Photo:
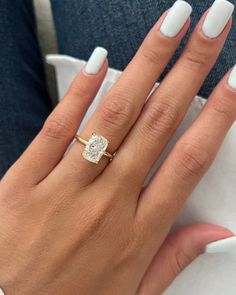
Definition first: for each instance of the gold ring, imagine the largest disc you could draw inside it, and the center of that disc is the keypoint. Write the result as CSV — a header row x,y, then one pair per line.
x,y
95,148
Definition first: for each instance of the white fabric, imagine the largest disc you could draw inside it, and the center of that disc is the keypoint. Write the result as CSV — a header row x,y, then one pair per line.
x,y
213,201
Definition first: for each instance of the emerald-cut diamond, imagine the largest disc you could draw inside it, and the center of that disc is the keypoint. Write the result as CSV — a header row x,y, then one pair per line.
x,y
95,148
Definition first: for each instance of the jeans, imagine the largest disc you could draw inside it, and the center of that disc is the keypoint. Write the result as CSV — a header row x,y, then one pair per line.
x,y
81,25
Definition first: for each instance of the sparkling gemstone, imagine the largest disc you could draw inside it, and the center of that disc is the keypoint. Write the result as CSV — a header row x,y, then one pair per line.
x,y
95,148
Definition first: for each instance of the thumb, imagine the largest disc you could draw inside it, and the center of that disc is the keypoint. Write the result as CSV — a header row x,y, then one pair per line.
x,y
178,251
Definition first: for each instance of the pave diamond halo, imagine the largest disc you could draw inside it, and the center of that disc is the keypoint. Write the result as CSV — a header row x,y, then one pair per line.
x,y
95,148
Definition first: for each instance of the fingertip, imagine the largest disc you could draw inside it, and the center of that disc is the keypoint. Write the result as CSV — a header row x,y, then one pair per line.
x,y
89,82
177,35
224,245
96,61
197,236
231,78
224,93
222,32
175,19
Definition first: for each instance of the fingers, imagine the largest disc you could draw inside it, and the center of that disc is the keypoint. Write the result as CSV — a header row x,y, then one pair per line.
x,y
192,154
166,108
61,126
177,252
121,107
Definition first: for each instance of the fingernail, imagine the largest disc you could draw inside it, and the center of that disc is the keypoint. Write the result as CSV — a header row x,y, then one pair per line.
x,y
217,18
232,78
176,18
222,246
96,61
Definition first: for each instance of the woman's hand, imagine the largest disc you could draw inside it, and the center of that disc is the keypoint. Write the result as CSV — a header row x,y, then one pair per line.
x,y
69,226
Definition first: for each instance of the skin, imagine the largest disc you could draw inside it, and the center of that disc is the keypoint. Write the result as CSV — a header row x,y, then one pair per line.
x,y
71,227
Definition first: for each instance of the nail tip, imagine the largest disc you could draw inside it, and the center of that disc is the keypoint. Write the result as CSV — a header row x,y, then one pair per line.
x,y
232,78
222,246
176,18
227,4
101,49
230,4
217,18
96,60
185,4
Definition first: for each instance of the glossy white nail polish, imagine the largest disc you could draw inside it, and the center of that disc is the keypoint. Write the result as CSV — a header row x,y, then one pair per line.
x,y
176,18
217,18
232,78
222,246
96,61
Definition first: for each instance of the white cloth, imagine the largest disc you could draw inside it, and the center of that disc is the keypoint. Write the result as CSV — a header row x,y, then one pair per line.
x,y
213,201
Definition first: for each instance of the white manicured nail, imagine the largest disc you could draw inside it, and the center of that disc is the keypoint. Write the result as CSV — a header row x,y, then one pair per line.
x,y
96,61
217,18
176,18
232,78
222,246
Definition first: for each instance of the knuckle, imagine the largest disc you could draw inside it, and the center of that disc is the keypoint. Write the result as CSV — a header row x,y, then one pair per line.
x,y
79,90
161,118
192,160
116,111
57,128
179,258
128,249
224,108
19,203
180,261
196,58
96,219
151,56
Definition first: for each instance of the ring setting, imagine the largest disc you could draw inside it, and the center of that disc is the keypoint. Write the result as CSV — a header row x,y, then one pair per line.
x,y
95,148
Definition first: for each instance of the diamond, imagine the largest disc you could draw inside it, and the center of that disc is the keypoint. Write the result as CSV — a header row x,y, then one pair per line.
x,y
95,148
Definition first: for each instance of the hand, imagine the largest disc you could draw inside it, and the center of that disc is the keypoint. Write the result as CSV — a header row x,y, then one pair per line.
x,y
72,227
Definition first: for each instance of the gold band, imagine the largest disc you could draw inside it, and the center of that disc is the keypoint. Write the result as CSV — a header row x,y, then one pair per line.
x,y
85,142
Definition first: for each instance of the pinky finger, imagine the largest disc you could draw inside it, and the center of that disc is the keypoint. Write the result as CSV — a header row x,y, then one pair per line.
x,y
49,146
178,250
192,155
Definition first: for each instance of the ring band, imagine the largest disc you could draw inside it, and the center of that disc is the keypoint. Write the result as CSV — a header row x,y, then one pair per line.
x,y
95,148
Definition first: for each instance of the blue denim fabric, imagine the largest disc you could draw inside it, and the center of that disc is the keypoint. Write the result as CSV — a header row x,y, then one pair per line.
x,y
81,25
24,103
120,26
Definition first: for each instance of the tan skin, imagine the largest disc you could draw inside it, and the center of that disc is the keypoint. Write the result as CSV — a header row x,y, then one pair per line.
x,y
71,227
